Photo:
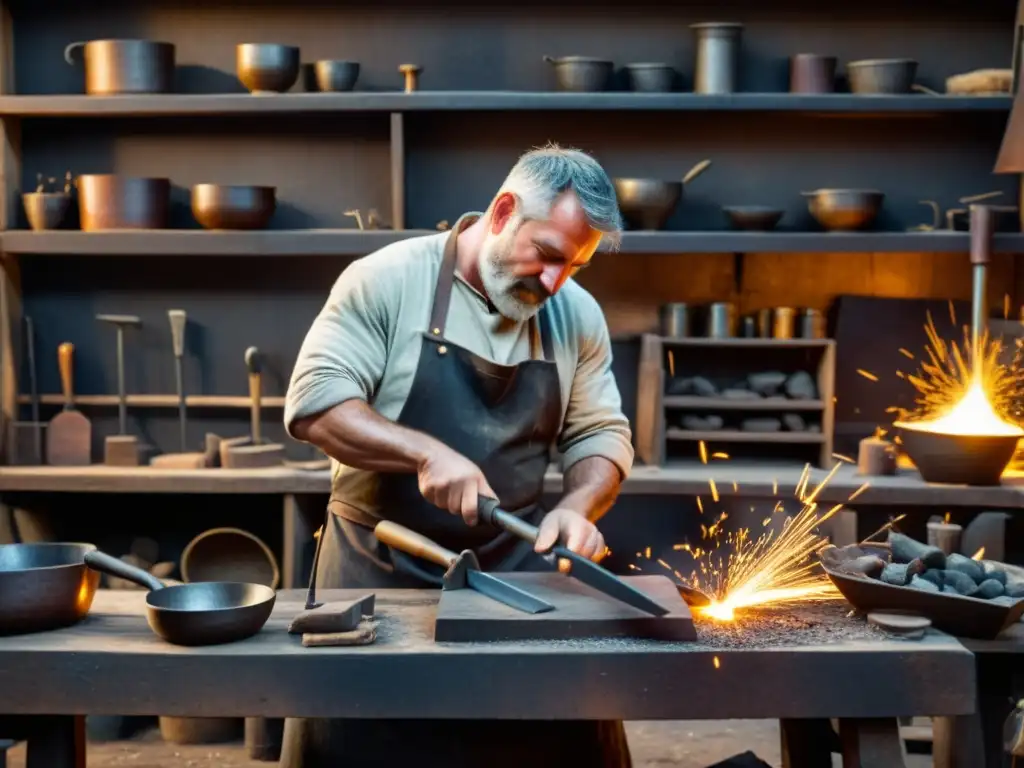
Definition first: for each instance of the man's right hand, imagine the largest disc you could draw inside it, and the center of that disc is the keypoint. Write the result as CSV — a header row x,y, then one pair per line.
x,y
450,481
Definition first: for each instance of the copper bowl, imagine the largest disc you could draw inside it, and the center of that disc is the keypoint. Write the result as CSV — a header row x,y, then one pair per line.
x,y
267,67
844,209
958,459
223,206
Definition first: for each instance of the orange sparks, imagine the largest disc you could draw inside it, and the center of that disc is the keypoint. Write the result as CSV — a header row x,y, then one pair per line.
x,y
906,353
735,487
979,554
719,455
714,489
700,506
647,553
716,662
867,375
858,492
703,451
664,565
775,487
842,457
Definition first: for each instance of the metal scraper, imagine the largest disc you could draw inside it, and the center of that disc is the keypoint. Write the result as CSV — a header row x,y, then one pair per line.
x,y
69,436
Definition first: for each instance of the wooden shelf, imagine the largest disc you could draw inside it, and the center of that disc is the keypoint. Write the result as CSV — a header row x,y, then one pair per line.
x,y
697,403
736,436
472,101
743,343
352,242
158,401
766,480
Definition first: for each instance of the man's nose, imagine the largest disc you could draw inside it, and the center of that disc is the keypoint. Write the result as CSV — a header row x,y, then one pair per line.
x,y
552,277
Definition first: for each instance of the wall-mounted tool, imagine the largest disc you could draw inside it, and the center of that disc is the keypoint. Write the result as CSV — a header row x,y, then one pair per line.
x,y
179,319
585,570
122,449
250,452
69,437
463,570
28,435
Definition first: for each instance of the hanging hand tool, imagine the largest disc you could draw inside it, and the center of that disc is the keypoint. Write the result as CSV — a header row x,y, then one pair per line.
x,y
585,570
33,389
69,437
463,570
178,319
122,449
255,365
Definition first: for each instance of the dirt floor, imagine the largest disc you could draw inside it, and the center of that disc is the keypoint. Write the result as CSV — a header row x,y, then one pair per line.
x,y
654,745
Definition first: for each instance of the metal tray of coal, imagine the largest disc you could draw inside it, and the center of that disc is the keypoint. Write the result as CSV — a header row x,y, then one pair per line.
x,y
958,615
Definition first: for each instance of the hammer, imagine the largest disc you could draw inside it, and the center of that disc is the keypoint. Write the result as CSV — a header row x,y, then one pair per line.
x,y
120,322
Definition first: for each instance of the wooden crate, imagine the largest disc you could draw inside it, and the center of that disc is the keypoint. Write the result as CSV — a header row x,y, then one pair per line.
x,y
724,360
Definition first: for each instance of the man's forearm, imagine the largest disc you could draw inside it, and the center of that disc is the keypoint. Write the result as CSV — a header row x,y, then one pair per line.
x,y
357,436
591,487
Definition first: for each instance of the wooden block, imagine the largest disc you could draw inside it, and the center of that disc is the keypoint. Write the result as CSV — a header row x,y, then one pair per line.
x,y
253,456
121,451
213,449
465,615
227,443
179,461
364,634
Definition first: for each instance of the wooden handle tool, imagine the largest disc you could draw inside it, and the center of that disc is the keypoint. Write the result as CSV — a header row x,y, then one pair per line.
x,y
412,543
254,364
178,320
66,363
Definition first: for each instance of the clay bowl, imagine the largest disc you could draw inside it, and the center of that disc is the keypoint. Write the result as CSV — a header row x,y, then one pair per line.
x,y
45,210
267,67
958,459
335,75
223,206
229,554
844,209
758,218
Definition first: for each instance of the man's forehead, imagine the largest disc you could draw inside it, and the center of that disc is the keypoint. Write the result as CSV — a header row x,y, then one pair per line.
x,y
569,219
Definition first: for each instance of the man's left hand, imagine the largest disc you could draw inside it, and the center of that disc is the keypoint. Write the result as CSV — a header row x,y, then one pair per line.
x,y
574,531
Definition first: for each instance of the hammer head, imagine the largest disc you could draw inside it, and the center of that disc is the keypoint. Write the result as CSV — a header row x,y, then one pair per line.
x,y
455,576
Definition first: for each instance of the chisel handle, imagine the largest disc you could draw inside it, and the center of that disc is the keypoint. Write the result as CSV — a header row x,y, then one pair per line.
x,y
178,319
491,514
412,543
254,365
66,365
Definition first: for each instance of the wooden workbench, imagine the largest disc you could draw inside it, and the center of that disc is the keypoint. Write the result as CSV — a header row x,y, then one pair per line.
x,y
112,664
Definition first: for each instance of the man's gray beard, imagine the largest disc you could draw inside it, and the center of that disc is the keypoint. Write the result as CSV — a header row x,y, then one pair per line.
x,y
499,283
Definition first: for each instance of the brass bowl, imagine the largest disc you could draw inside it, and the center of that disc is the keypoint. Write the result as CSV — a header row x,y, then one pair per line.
x,y
267,67
223,206
45,210
957,459
844,209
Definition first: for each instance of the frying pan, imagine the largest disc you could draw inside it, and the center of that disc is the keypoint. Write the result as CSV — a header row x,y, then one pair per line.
x,y
201,613
44,586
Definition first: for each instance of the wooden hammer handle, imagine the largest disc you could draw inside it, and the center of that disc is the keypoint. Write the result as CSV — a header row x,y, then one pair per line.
x,y
65,363
412,543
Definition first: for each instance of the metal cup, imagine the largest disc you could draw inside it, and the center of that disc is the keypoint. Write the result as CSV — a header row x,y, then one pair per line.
x,y
784,323
721,320
812,324
674,320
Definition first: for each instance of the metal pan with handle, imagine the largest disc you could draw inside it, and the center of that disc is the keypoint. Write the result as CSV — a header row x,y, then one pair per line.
x,y
201,613
44,586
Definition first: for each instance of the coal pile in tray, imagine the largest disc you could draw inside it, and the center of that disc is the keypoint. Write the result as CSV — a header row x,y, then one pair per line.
x,y
764,387
818,623
919,566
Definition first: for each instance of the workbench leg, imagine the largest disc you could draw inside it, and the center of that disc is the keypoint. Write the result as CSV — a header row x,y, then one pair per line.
x,y
957,742
872,743
56,741
806,743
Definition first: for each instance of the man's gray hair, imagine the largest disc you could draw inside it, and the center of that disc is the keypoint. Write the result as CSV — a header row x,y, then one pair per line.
x,y
542,174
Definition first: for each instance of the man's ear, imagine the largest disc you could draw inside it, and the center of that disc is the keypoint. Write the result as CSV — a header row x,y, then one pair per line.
x,y
502,210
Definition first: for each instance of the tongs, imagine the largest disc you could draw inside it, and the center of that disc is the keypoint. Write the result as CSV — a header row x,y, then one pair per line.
x,y
585,570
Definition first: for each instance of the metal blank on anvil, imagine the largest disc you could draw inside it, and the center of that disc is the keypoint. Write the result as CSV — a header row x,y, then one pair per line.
x,y
465,615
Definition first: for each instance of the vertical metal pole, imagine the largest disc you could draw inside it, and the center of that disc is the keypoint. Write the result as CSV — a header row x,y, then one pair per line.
x,y
122,399
982,231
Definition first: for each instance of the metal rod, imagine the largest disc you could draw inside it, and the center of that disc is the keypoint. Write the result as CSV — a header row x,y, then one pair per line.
x,y
33,389
979,304
122,395
179,376
982,226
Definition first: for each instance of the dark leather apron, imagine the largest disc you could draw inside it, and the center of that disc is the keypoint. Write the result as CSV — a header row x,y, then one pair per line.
x,y
505,418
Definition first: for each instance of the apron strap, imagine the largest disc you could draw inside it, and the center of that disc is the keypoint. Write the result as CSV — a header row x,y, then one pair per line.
x,y
443,295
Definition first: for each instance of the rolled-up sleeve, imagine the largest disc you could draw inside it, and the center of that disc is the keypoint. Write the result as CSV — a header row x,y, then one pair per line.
x,y
594,422
345,351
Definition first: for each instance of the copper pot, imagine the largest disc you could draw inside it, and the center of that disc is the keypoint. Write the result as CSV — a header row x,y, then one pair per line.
x,y
117,67
111,201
